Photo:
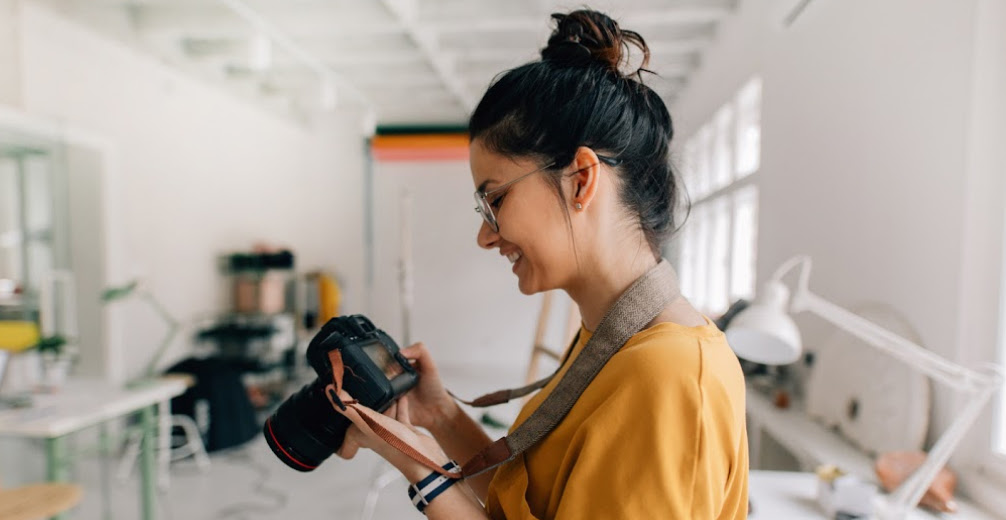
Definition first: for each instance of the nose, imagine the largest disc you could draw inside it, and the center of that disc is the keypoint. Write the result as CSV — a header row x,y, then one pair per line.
x,y
487,238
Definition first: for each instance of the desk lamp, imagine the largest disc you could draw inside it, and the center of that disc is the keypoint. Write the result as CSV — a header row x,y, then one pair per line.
x,y
136,289
765,333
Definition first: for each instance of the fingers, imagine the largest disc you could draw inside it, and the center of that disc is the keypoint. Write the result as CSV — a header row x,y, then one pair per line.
x,y
354,413
350,443
415,348
402,411
336,401
417,352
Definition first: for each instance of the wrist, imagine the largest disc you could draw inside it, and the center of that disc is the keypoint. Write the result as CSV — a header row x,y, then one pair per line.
x,y
413,471
427,489
446,418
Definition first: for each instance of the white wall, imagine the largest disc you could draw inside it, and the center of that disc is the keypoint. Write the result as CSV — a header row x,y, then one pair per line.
x,y
10,88
871,114
192,173
468,309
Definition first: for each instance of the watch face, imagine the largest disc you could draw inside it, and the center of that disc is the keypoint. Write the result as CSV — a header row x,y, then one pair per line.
x,y
383,359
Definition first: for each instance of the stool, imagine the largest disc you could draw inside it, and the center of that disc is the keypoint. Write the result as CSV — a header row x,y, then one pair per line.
x,y
38,501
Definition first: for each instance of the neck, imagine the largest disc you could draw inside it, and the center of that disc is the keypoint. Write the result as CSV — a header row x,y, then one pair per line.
x,y
603,280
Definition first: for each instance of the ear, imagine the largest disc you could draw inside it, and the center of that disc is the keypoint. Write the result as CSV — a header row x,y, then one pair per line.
x,y
586,177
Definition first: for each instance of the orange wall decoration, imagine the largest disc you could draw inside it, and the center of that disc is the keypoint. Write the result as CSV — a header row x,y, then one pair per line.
x,y
420,147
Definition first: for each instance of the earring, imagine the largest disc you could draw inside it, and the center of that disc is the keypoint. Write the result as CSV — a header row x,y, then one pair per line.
x,y
579,206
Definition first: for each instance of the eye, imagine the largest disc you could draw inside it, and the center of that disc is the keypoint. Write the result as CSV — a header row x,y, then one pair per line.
x,y
495,203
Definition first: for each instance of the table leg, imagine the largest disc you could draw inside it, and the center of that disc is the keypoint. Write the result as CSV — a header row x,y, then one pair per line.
x,y
104,452
56,462
163,444
754,442
148,465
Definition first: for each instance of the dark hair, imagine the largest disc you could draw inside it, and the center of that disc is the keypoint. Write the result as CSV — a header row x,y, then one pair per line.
x,y
577,95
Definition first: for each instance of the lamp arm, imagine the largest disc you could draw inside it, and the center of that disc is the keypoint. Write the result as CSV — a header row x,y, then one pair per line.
x,y
803,261
980,386
169,337
896,346
159,308
911,491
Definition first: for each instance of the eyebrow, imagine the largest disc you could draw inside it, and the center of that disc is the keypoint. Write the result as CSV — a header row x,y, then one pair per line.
x,y
485,183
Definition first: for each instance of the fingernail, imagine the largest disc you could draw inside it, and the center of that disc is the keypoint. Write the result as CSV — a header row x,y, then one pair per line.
x,y
336,400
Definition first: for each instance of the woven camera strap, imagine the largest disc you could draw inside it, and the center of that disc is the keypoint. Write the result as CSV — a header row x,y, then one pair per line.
x,y
633,310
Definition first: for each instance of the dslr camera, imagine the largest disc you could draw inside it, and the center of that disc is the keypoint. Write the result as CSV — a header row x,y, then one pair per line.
x,y
305,430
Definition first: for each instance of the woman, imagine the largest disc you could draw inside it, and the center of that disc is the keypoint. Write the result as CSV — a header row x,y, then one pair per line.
x,y
570,160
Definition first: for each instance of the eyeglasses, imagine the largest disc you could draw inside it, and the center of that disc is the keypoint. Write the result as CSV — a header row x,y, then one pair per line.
x,y
484,207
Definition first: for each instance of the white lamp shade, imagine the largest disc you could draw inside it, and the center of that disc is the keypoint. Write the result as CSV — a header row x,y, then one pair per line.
x,y
764,332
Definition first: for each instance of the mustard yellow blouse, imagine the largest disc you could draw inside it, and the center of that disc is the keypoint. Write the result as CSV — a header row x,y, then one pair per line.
x,y
659,433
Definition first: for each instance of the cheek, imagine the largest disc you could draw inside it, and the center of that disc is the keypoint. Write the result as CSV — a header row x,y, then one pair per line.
x,y
543,236
536,226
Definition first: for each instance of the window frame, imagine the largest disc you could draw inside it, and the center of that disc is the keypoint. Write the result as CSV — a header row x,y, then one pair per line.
x,y
713,176
995,464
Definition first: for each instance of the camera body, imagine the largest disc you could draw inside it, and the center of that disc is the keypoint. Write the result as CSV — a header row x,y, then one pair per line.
x,y
305,430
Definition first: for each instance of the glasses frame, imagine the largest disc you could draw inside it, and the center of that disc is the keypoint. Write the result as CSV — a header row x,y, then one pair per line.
x,y
484,208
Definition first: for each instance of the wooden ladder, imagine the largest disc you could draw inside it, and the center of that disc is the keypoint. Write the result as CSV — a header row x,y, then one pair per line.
x,y
538,347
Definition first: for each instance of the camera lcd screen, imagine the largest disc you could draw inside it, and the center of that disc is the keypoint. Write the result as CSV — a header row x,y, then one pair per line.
x,y
383,359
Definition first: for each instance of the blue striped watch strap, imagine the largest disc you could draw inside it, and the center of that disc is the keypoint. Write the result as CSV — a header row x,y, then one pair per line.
x,y
423,492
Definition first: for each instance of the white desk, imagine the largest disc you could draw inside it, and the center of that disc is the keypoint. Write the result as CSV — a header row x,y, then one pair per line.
x,y
813,445
784,495
84,403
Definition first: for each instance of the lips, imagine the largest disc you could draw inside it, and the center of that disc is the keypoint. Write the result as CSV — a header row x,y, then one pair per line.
x,y
513,256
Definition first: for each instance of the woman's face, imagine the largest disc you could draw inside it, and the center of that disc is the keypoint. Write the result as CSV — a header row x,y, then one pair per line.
x,y
533,232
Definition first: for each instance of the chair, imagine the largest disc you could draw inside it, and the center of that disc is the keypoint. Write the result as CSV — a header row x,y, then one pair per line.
x,y
191,442
38,501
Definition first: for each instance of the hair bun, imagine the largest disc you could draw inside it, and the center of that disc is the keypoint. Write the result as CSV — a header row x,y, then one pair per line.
x,y
587,37
568,52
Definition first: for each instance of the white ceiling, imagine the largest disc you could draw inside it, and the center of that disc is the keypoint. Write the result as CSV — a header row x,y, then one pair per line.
x,y
415,62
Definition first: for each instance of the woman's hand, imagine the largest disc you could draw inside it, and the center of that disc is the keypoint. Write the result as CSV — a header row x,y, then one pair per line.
x,y
397,421
429,402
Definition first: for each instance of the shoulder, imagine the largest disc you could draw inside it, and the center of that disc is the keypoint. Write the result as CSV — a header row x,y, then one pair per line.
x,y
667,344
669,361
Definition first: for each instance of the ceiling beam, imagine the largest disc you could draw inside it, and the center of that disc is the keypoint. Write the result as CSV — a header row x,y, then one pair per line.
x,y
536,23
291,47
406,14
317,23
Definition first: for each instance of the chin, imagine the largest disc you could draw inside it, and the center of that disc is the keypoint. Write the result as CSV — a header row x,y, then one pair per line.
x,y
526,288
529,286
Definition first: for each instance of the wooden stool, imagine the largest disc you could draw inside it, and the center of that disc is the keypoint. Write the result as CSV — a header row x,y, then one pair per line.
x,y
38,501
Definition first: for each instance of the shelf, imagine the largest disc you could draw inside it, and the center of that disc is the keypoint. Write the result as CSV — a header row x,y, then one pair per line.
x,y
806,439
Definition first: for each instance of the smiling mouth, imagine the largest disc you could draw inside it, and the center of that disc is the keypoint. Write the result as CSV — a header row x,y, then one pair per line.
x,y
513,257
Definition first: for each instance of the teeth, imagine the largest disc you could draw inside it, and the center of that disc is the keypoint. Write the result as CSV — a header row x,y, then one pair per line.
x,y
513,257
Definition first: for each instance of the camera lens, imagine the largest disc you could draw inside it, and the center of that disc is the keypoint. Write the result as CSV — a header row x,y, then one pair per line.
x,y
305,430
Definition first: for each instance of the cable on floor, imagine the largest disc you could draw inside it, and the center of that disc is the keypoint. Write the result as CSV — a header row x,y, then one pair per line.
x,y
241,510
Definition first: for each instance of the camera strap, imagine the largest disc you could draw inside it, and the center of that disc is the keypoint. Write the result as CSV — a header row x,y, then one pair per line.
x,y
634,309
338,369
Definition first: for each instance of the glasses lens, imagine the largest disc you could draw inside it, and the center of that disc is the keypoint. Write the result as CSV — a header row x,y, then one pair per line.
x,y
482,207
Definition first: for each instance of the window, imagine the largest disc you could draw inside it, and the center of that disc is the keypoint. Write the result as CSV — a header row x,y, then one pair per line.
x,y
745,236
749,128
721,161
